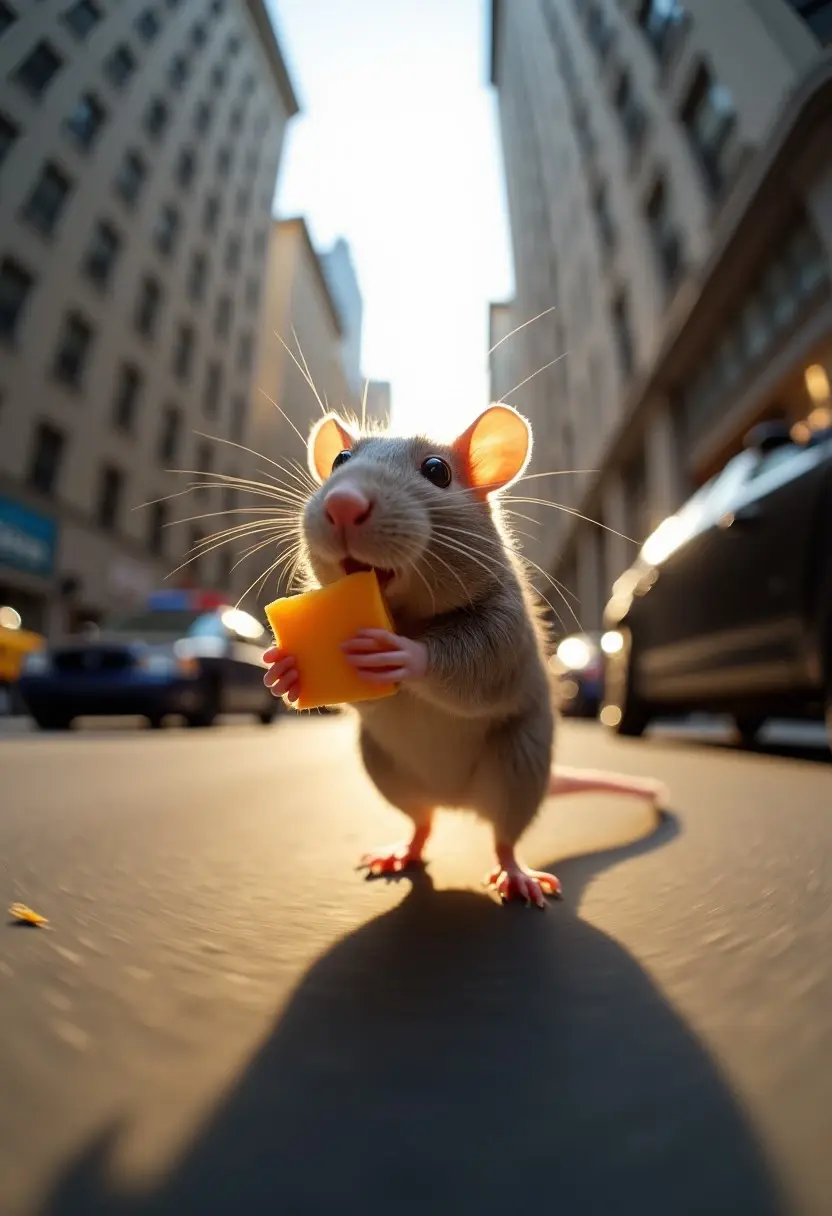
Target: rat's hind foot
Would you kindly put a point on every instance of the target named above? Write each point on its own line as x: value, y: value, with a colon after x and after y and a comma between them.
x: 396, y: 858
x: 392, y: 860
x: 512, y: 880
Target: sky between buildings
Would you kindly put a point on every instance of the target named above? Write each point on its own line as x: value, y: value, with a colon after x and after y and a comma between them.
x: 397, y: 150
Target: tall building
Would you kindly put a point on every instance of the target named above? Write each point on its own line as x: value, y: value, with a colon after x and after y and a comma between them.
x: 343, y: 283
x: 298, y: 298
x: 669, y: 179
x: 139, y: 148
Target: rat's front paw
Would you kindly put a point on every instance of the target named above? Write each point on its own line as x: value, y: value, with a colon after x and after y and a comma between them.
x: 515, y: 881
x: 282, y: 678
x: 380, y: 657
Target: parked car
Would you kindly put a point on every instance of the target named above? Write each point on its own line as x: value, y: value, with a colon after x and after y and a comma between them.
x: 578, y: 668
x: 178, y: 656
x: 728, y: 606
x: 15, y: 643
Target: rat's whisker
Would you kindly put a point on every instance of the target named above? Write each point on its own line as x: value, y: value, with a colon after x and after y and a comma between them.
x: 519, y: 515
x: 278, y: 512
x: 555, y: 473
x: 265, y: 489
x: 466, y: 551
x: 557, y: 586
x: 309, y: 379
x: 530, y: 321
x: 256, y: 549
x: 544, y: 368
x: 364, y: 404
x: 305, y: 374
x: 151, y: 502
x: 282, y: 412
x: 203, y: 547
x: 438, y: 558
x: 557, y: 506
x: 242, y: 447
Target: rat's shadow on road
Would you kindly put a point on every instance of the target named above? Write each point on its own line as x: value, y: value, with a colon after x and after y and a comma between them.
x: 453, y: 1056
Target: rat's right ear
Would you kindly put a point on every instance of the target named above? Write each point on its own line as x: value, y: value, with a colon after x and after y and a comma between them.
x: 495, y: 449
x: 329, y: 436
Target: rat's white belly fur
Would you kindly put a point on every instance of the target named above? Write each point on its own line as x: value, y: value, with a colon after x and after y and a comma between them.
x: 433, y: 749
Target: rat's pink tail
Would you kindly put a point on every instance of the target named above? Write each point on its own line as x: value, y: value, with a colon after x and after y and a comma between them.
x: 592, y: 781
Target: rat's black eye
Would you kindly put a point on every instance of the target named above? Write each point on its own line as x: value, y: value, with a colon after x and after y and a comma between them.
x: 437, y: 471
x: 341, y: 458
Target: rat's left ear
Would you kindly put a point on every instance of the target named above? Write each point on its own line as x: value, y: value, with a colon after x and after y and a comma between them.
x: 495, y: 449
x: 329, y: 436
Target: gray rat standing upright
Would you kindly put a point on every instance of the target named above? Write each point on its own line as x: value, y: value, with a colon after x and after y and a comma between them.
x: 472, y: 724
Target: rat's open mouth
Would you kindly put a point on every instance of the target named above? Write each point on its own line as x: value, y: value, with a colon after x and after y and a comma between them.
x: 351, y: 566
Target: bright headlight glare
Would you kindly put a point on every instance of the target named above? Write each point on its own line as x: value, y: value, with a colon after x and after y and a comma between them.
x: 574, y: 654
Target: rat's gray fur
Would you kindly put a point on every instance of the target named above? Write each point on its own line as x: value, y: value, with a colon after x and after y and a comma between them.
x: 477, y: 731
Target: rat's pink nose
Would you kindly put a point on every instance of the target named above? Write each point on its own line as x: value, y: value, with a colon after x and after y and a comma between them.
x: 347, y: 506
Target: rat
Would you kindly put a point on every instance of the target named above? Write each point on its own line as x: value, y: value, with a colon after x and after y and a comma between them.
x: 472, y: 724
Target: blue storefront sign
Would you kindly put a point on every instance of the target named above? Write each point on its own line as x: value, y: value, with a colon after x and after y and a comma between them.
x: 27, y: 539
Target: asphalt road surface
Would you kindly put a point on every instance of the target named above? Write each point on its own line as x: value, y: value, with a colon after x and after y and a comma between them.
x: 224, y: 1017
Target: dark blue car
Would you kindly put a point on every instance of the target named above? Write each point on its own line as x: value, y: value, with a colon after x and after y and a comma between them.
x: 176, y: 657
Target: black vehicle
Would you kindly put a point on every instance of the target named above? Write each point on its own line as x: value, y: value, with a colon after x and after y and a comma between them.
x: 171, y: 660
x: 728, y: 607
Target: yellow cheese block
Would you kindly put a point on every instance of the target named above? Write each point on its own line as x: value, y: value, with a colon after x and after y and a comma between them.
x: 312, y: 626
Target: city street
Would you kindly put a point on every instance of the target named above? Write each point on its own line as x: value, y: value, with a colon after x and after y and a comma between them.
x: 223, y: 1016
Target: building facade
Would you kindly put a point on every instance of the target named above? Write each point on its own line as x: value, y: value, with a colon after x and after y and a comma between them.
x: 639, y: 139
x: 298, y: 301
x: 343, y: 283
x: 139, y: 149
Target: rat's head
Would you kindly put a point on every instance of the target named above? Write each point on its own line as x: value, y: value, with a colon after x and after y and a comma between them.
x: 418, y: 513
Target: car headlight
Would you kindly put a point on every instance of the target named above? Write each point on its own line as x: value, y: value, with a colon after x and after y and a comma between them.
x: 36, y: 663
x: 612, y: 642
x: 158, y: 664
x: 574, y: 654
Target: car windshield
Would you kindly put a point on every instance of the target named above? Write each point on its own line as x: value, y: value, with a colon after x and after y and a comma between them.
x: 158, y: 626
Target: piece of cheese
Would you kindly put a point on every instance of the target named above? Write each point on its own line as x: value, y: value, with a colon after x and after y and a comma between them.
x: 311, y: 627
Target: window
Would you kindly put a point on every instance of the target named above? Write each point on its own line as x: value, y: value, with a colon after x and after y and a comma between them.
x: 169, y: 434
x: 238, y: 419
x: 148, y: 25
x: 252, y: 293
x: 186, y: 168
x: 664, y: 233
x: 73, y: 350
x: 156, y: 118
x: 217, y: 8
x: 245, y: 350
x: 166, y: 230
x: 131, y: 177
x: 9, y: 132
x: 47, y: 200
x: 7, y: 18
x: 183, y: 351
x: 218, y: 77
x: 252, y: 160
x: 623, y: 334
x: 818, y: 16
x: 156, y: 526
x: 211, y: 213
x: 261, y: 124
x: 213, y: 389
x: 204, y: 464
x: 199, y: 35
x: 15, y: 285
x: 197, y: 275
x: 202, y: 117
x: 47, y: 453
x: 86, y: 120
x: 148, y: 304
x: 82, y: 17
x: 232, y: 255
x: 630, y: 111
x: 223, y: 161
x: 222, y: 320
x: 102, y: 253
x: 663, y: 22
x: 128, y: 390
x: 709, y: 117
x: 38, y: 69
x: 120, y: 65
x: 259, y: 242
x: 178, y: 72
x: 235, y: 120
x: 603, y: 219
x: 110, y: 494
x: 600, y: 31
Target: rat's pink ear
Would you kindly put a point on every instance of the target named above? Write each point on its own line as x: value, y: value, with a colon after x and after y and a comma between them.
x: 495, y: 449
x: 329, y: 436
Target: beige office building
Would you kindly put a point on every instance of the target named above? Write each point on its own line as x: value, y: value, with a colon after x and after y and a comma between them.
x: 669, y: 178
x: 299, y: 312
x: 139, y: 149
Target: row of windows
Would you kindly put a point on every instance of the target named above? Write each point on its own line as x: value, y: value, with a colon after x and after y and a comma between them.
x: 49, y: 449
x: 783, y: 285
